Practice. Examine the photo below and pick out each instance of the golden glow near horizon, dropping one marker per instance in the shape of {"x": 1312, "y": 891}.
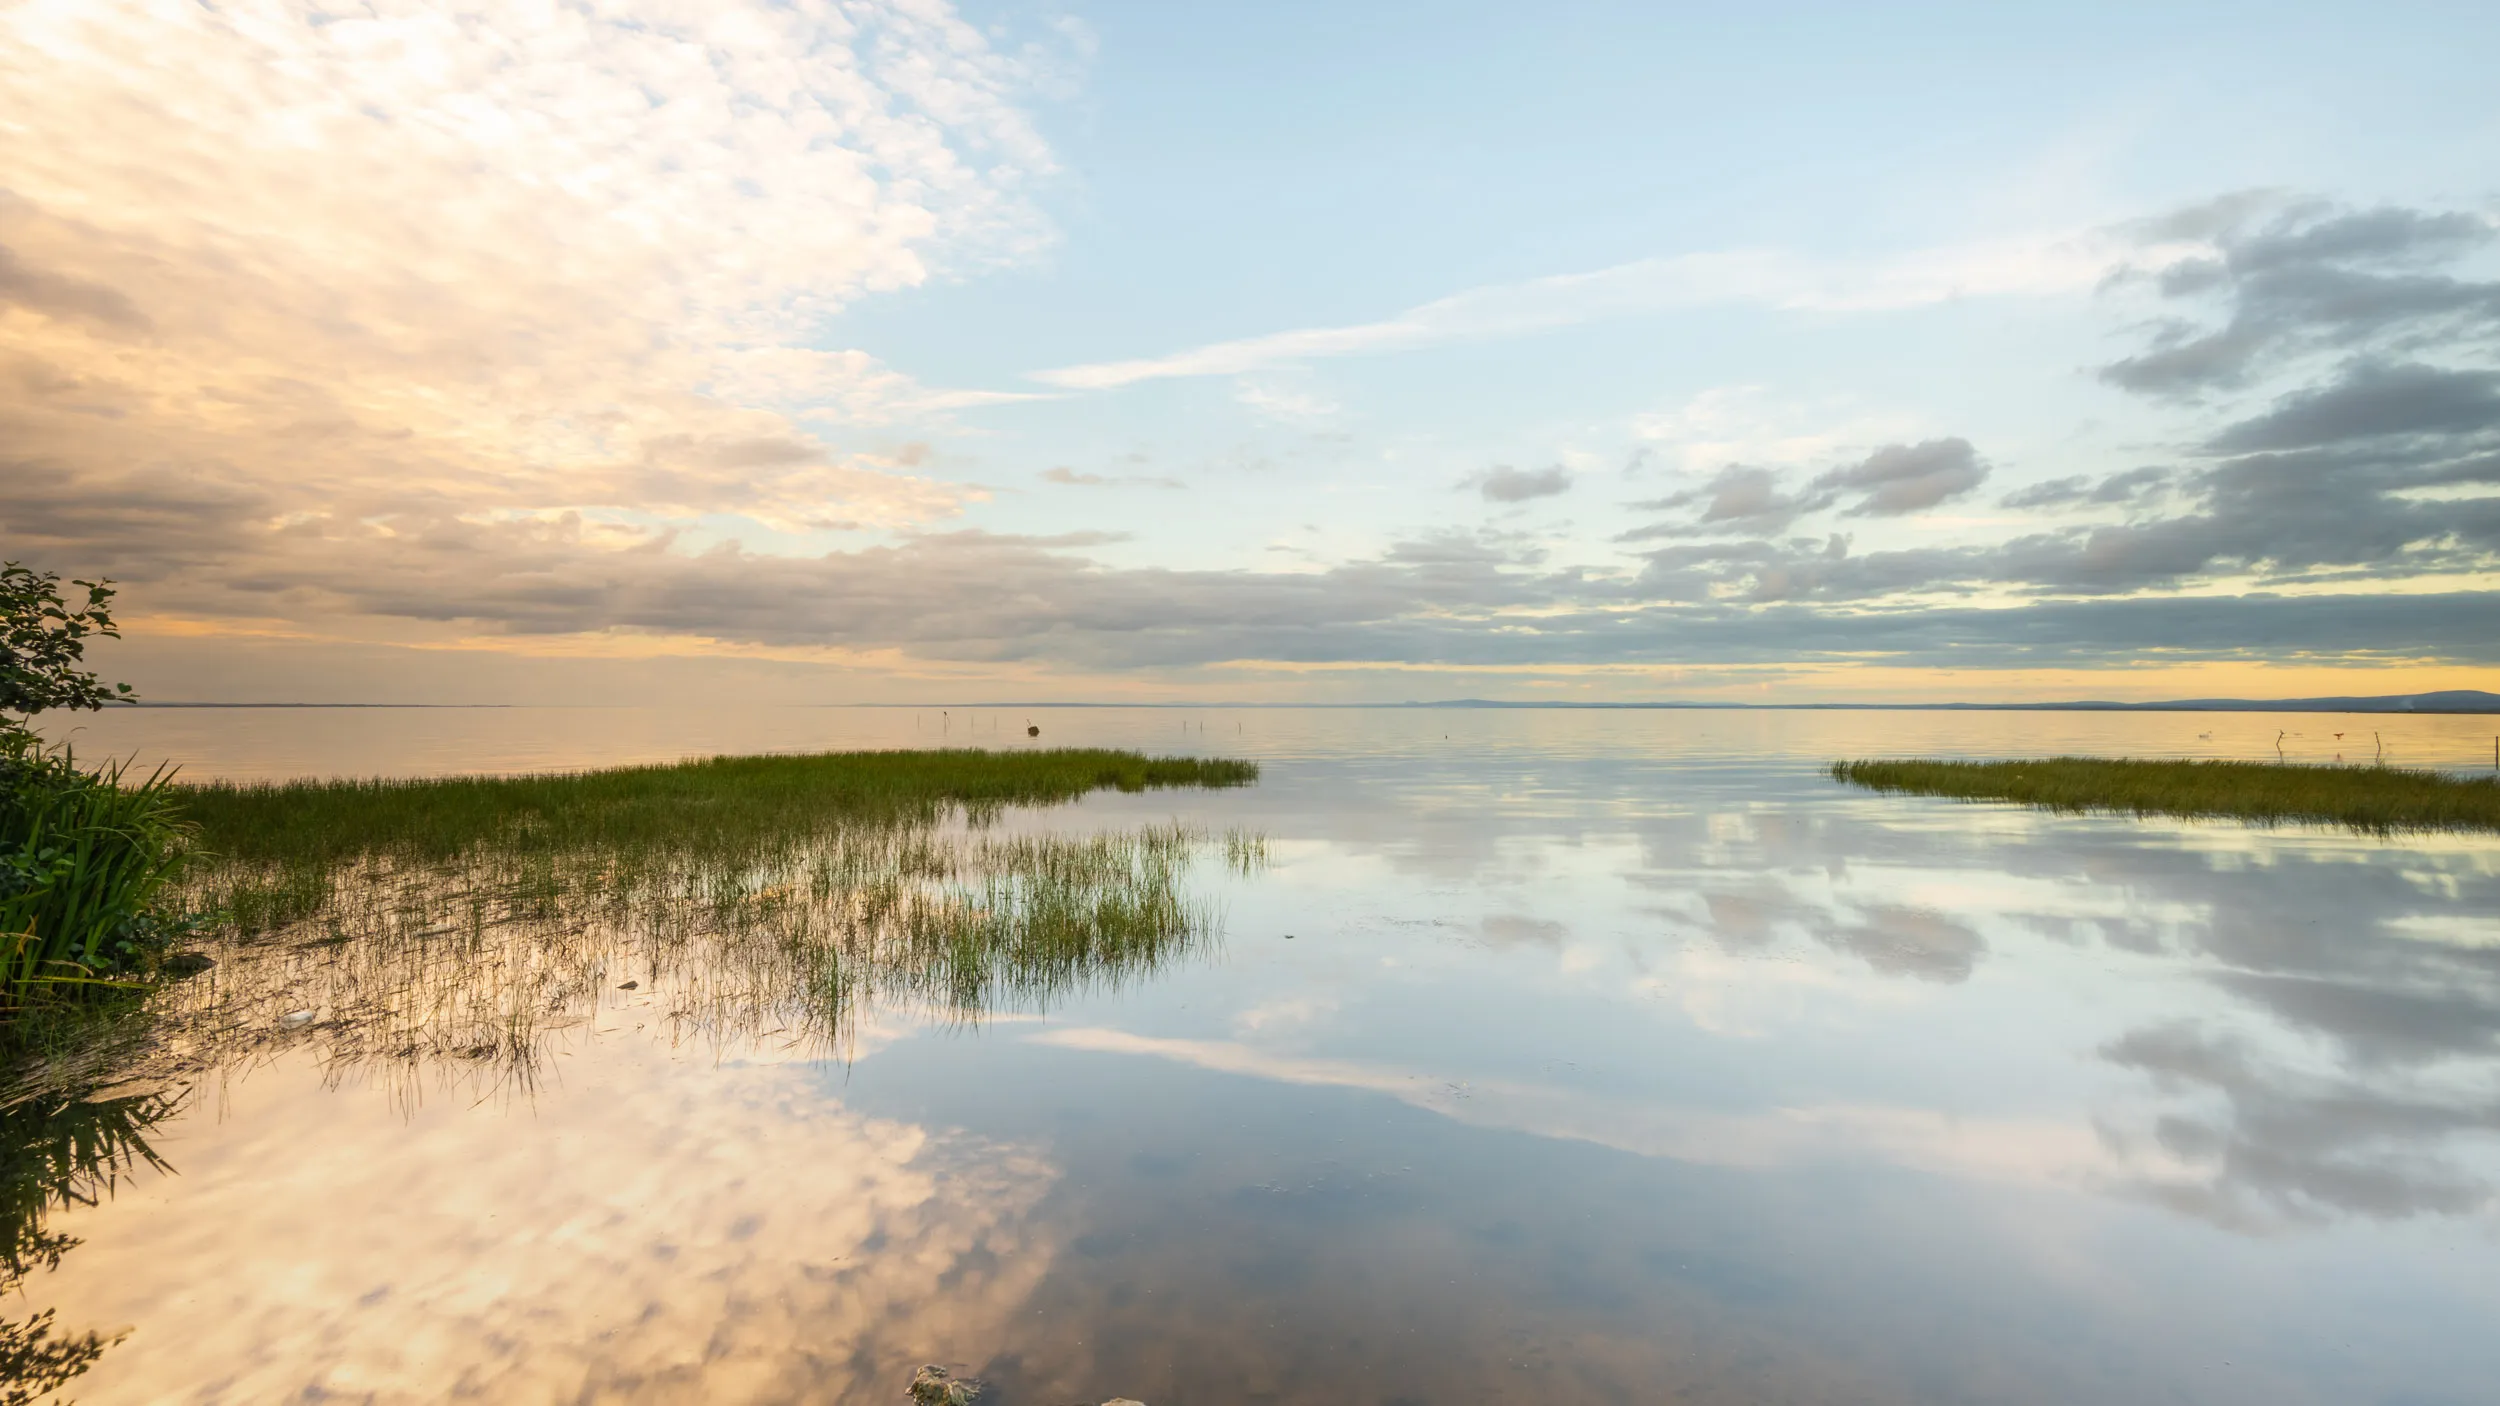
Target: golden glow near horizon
{"x": 385, "y": 349}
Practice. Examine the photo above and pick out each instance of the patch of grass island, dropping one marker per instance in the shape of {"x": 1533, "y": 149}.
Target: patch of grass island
{"x": 274, "y": 849}
{"x": 716, "y": 803}
{"x": 2376, "y": 799}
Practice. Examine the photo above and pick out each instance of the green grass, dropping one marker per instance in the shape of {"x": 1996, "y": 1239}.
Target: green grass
{"x": 457, "y": 925}
{"x": 467, "y": 969}
{"x": 2380, "y": 800}
{"x": 721, "y": 802}
{"x": 274, "y": 847}
{"x": 86, "y": 858}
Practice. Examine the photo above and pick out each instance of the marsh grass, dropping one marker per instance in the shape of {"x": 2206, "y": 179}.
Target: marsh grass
{"x": 277, "y": 846}
{"x": 471, "y": 969}
{"x": 2378, "y": 800}
{"x": 462, "y": 926}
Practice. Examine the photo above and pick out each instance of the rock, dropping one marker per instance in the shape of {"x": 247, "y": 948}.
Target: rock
{"x": 935, "y": 1386}
{"x": 293, "y": 1019}
{"x": 183, "y": 964}
{"x": 627, "y": 985}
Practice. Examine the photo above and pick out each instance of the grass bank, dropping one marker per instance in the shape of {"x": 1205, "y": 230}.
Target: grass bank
{"x": 2381, "y": 800}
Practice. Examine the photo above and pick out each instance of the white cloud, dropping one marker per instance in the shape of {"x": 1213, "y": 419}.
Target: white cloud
{"x": 1747, "y": 425}
{"x": 529, "y": 256}
{"x": 1285, "y": 404}
{"x": 2014, "y": 267}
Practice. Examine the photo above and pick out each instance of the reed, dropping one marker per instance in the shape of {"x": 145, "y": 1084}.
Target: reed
{"x": 2378, "y": 800}
{"x": 86, "y": 860}
{"x": 467, "y": 969}
{"x": 276, "y": 845}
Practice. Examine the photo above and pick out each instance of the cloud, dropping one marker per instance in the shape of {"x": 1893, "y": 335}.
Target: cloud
{"x": 1740, "y": 498}
{"x": 1285, "y": 404}
{"x": 2018, "y": 267}
{"x": 1062, "y": 474}
{"x": 2364, "y": 470}
{"x": 2371, "y": 400}
{"x": 359, "y": 263}
{"x": 2305, "y": 278}
{"x": 1907, "y": 478}
{"x": 1747, "y": 500}
{"x": 2078, "y": 490}
{"x": 53, "y": 295}
{"x": 1504, "y": 484}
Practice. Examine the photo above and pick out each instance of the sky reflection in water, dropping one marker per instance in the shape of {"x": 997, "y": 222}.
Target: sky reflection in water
{"x": 1607, "y": 1061}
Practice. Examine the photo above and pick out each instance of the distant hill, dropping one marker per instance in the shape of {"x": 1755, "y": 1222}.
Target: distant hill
{"x": 2453, "y": 700}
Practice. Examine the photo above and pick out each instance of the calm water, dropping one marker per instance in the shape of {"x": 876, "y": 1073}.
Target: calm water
{"x": 1553, "y": 1057}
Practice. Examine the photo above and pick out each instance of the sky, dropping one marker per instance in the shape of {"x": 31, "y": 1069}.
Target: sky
{"x": 674, "y": 350}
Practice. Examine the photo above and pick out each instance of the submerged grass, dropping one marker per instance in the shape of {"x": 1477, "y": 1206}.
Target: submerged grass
{"x": 2380, "y": 800}
{"x": 469, "y": 968}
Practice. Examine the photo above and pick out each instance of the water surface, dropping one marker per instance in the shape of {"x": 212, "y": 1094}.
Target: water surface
{"x": 1554, "y": 1057}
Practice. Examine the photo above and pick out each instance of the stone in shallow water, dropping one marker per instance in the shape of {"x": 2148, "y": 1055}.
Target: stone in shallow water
{"x": 935, "y": 1386}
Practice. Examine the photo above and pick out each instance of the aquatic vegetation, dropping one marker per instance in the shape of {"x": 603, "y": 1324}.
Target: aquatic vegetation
{"x": 471, "y": 966}
{"x": 2380, "y": 800}
{"x": 933, "y": 1385}
{"x": 276, "y": 844}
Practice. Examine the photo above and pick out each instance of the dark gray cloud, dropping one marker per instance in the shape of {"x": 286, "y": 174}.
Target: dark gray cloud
{"x": 2327, "y": 484}
{"x": 1504, "y": 484}
{"x": 2113, "y": 490}
{"x": 1740, "y": 499}
{"x": 1745, "y": 500}
{"x": 2372, "y": 400}
{"x": 1906, "y": 478}
{"x": 2304, "y": 279}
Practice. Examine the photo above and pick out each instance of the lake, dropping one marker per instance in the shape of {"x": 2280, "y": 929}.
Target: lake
{"x": 1543, "y": 1056}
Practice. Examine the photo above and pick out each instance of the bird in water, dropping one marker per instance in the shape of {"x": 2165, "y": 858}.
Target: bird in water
{"x": 1032, "y": 730}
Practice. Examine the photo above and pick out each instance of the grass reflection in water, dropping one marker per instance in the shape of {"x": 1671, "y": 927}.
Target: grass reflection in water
{"x": 451, "y": 931}
{"x": 57, "y": 1152}
{"x": 460, "y": 925}
{"x": 472, "y": 964}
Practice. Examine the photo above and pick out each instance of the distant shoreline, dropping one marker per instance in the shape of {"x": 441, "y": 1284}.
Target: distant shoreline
{"x": 2468, "y": 705}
